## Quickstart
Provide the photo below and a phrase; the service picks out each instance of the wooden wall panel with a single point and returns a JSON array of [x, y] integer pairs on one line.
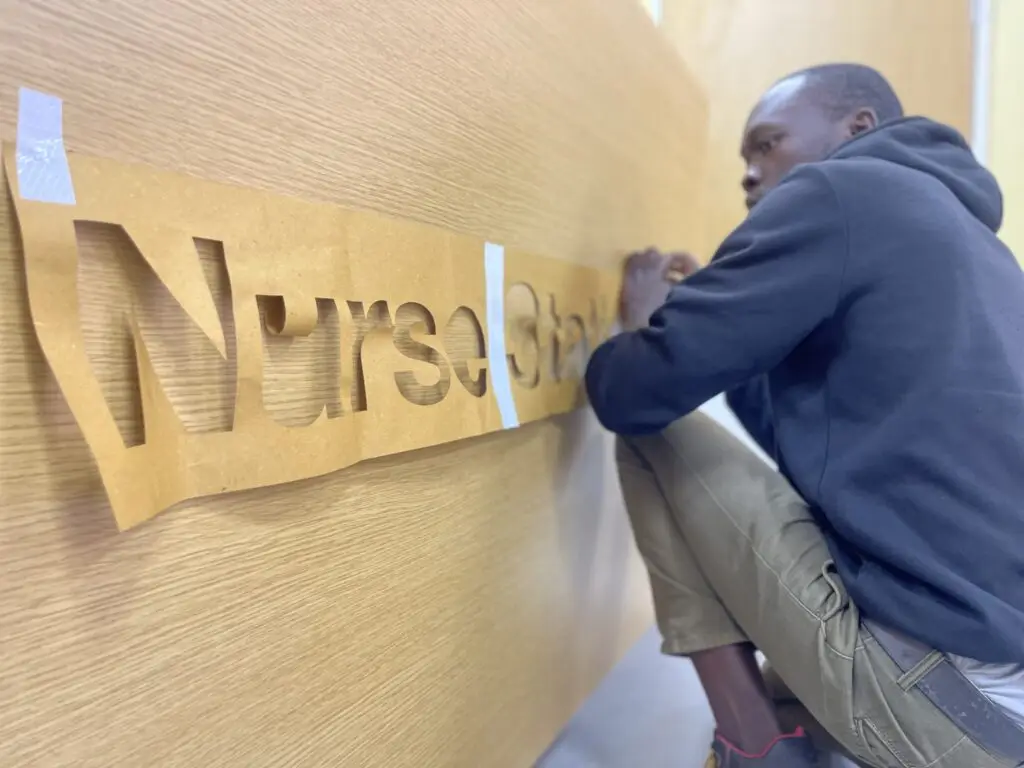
[[446, 608], [738, 48]]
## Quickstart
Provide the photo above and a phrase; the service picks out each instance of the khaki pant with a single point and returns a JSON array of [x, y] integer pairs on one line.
[[735, 556]]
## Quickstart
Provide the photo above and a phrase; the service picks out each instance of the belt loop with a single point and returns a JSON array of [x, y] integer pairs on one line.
[[933, 675], [913, 676]]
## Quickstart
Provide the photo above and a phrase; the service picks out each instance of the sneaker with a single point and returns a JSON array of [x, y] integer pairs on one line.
[[792, 751]]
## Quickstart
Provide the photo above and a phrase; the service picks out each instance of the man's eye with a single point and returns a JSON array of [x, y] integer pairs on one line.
[[766, 145]]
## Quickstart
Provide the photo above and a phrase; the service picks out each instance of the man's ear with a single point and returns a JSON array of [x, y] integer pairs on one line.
[[864, 119]]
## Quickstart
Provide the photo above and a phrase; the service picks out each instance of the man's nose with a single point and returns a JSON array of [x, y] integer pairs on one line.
[[751, 179]]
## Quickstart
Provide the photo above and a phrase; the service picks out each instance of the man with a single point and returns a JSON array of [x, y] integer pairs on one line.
[[868, 328]]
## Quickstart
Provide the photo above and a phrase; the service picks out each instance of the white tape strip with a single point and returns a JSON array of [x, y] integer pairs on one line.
[[42, 165], [654, 7], [497, 357], [981, 101]]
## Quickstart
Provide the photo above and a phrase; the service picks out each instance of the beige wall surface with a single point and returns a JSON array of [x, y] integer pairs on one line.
[[1006, 150], [450, 607], [738, 48]]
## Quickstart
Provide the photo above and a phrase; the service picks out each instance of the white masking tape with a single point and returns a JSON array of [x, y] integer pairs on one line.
[[497, 357], [42, 165]]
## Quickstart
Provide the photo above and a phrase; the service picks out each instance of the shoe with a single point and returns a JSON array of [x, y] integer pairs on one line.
[[792, 751]]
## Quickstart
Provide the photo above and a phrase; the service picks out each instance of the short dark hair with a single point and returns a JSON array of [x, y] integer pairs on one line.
[[842, 88]]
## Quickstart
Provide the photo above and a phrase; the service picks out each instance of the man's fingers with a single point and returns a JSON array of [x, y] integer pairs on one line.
[[679, 266], [673, 267], [647, 259], [675, 275]]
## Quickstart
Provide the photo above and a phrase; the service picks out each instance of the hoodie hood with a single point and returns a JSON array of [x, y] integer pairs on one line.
[[940, 152]]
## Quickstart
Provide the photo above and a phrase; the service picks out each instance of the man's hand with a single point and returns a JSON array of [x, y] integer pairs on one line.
[[647, 279]]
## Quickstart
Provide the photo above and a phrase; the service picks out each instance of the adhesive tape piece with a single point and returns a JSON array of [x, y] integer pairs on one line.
[[42, 164], [497, 357]]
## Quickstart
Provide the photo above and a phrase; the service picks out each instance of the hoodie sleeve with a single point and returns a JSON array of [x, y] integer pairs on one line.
[[771, 283]]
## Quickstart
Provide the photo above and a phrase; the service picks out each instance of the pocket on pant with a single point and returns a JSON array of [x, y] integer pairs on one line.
[[897, 727], [882, 752]]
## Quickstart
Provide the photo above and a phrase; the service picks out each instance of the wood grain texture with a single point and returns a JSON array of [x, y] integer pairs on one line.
[[738, 48], [450, 607]]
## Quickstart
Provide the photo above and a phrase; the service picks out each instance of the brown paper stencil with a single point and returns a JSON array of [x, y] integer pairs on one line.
[[395, 312]]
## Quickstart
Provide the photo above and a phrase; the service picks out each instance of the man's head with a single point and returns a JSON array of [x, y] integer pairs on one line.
[[806, 115]]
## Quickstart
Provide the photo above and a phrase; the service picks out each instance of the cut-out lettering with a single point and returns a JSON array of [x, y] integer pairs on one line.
[[117, 291], [302, 373], [414, 328], [464, 344], [522, 311], [549, 337], [574, 348], [211, 339], [297, 316], [364, 321]]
